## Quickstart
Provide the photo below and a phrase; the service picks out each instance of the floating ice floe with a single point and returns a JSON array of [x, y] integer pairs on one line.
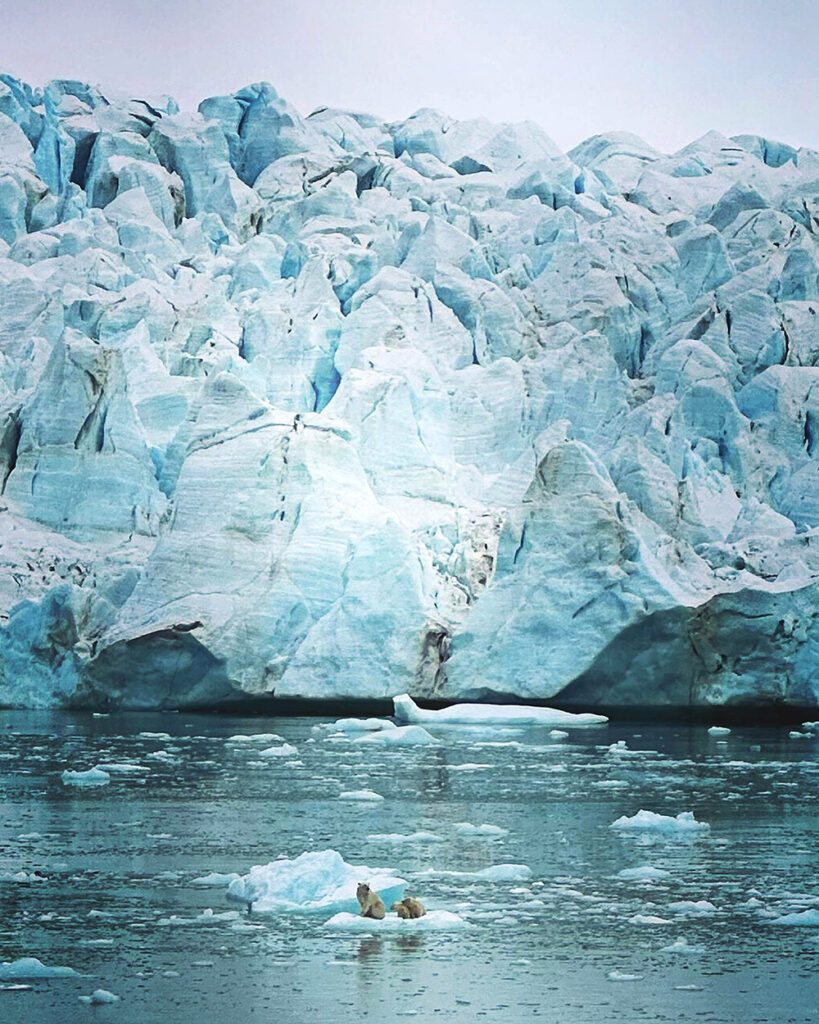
[[432, 921], [216, 878], [643, 873], [693, 908], [465, 828], [794, 734], [648, 919], [405, 736], [357, 725], [123, 768], [92, 777], [314, 881], [719, 730], [99, 997], [810, 726], [30, 967], [496, 873], [363, 795], [406, 710], [399, 838], [154, 735], [650, 821], [257, 737], [558, 734], [21, 876], [622, 976], [468, 766], [807, 918], [285, 750], [207, 917]]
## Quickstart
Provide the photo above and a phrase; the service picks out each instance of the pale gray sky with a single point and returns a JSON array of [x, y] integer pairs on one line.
[[667, 70]]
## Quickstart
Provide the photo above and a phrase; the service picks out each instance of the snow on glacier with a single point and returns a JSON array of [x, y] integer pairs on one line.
[[325, 406]]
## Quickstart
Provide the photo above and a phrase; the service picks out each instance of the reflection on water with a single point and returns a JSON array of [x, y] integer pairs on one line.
[[89, 875]]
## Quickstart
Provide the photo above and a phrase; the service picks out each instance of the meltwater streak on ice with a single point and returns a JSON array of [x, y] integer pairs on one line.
[[126, 884]]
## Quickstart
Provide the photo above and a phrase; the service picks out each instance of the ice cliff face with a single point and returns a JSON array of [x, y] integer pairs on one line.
[[326, 406]]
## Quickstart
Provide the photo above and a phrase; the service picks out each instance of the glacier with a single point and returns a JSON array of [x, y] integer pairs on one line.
[[310, 407]]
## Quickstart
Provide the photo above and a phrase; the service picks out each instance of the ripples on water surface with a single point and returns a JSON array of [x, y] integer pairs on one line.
[[557, 947]]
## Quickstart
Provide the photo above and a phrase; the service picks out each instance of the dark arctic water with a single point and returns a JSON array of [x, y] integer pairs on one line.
[[118, 859]]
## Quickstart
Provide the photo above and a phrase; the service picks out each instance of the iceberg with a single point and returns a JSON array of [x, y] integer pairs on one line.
[[312, 882], [403, 736], [406, 710]]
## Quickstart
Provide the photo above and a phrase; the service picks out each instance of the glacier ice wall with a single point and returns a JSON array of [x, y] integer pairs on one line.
[[327, 406]]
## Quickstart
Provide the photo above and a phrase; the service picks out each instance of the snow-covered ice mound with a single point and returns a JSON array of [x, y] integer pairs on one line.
[[405, 736], [406, 710], [314, 881], [392, 924], [99, 997], [93, 777], [650, 821]]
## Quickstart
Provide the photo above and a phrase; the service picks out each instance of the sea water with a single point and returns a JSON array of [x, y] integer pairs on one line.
[[634, 924]]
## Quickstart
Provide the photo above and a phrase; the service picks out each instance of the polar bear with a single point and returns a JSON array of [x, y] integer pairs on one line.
[[409, 908], [370, 902]]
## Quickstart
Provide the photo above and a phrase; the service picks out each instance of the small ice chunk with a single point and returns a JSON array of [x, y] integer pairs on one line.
[[207, 916], [30, 967], [406, 710], [363, 795], [681, 945], [810, 726], [285, 750], [622, 976], [99, 997], [648, 919], [122, 768], [558, 734], [216, 878], [432, 921], [719, 730], [794, 734], [92, 777], [465, 828], [314, 881], [649, 820], [807, 918], [398, 838], [643, 873], [405, 736], [154, 735]]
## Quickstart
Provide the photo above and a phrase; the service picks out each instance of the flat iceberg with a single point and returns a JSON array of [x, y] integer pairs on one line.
[[357, 725], [806, 918], [650, 821], [406, 710], [404, 736], [643, 873], [89, 778], [312, 882], [466, 828], [495, 873], [400, 838], [30, 967], [432, 921], [362, 795]]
